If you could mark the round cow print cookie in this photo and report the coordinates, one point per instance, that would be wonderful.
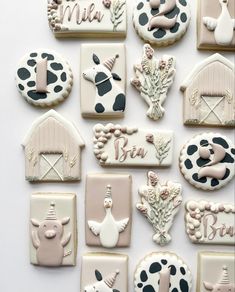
(44, 78)
(162, 271)
(161, 22)
(207, 161)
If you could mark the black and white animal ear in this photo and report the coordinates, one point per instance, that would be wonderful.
(96, 59)
(116, 77)
(98, 275)
(115, 290)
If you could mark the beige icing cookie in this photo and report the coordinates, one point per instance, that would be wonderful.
(53, 229)
(52, 150)
(216, 272)
(209, 93)
(103, 80)
(210, 223)
(108, 210)
(104, 272)
(216, 25)
(87, 18)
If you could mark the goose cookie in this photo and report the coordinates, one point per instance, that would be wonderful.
(53, 229)
(160, 202)
(152, 79)
(44, 78)
(163, 272)
(108, 217)
(161, 22)
(216, 25)
(103, 80)
(87, 18)
(207, 161)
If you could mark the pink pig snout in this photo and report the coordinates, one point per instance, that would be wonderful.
(49, 234)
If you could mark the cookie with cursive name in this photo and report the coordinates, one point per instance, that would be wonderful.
(161, 22)
(216, 272)
(44, 78)
(87, 18)
(116, 145)
(207, 161)
(162, 272)
(210, 223)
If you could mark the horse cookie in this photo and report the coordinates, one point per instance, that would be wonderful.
(163, 272)
(161, 22)
(207, 161)
(44, 78)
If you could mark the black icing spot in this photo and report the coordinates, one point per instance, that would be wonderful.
(162, 1)
(183, 2)
(36, 96)
(99, 108)
(175, 27)
(56, 66)
(188, 164)
(139, 285)
(102, 85)
(182, 270)
(164, 262)
(184, 285)
(63, 77)
(200, 161)
(33, 55)
(220, 141)
(228, 158)
(175, 290)
(173, 270)
(23, 73)
(143, 276)
(233, 151)
(120, 103)
(159, 33)
(192, 149)
(143, 19)
(172, 13)
(140, 5)
(51, 77)
(183, 17)
(58, 88)
(48, 56)
(31, 83)
(227, 173)
(154, 11)
(214, 182)
(148, 288)
(155, 268)
(201, 180)
(21, 87)
(31, 63)
(204, 143)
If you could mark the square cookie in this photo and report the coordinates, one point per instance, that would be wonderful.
(53, 229)
(103, 80)
(108, 210)
(216, 24)
(216, 272)
(104, 272)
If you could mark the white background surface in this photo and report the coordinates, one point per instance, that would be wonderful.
(24, 28)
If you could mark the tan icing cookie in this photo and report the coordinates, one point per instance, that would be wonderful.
(209, 93)
(52, 150)
(53, 229)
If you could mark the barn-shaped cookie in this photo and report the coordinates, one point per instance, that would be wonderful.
(209, 93)
(52, 150)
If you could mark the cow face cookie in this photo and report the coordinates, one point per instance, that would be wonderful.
(44, 78)
(207, 161)
(53, 229)
(162, 272)
(216, 272)
(161, 22)
(152, 79)
(103, 80)
(216, 24)
(159, 204)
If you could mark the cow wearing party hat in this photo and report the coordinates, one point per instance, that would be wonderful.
(109, 95)
(48, 239)
(103, 285)
(224, 284)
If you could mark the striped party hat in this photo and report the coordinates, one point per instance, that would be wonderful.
(51, 215)
(224, 279)
(109, 63)
(110, 280)
(108, 192)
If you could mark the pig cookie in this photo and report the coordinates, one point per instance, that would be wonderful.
(44, 78)
(161, 22)
(207, 161)
(162, 271)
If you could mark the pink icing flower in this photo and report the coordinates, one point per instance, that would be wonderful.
(136, 82)
(107, 3)
(148, 51)
(164, 194)
(150, 138)
(162, 64)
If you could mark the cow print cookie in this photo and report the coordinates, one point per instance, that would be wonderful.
(207, 161)
(162, 272)
(161, 22)
(44, 78)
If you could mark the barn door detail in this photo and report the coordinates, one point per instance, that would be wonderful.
(51, 167)
(212, 110)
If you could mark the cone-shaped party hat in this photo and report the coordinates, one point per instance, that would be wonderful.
(224, 279)
(51, 215)
(109, 63)
(108, 192)
(110, 280)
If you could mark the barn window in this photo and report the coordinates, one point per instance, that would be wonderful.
(212, 109)
(51, 167)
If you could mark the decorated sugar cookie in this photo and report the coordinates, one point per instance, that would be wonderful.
(207, 161)
(159, 204)
(87, 18)
(152, 79)
(44, 78)
(163, 272)
(161, 22)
